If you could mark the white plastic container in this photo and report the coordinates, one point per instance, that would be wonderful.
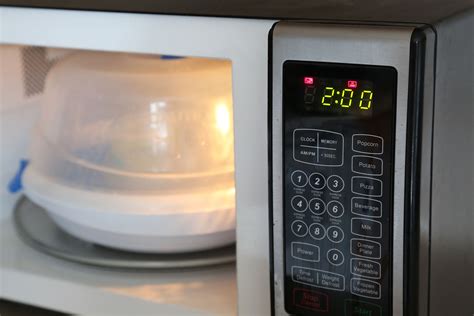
(136, 152)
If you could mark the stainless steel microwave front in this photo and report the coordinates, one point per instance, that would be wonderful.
(339, 131)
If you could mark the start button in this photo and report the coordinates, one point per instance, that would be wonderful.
(357, 308)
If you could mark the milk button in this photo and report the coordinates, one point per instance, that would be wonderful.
(365, 143)
(366, 228)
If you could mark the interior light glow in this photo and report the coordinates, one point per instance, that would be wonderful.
(222, 116)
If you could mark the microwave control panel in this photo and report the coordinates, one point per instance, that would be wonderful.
(338, 140)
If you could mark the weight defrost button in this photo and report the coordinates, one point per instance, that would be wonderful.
(318, 278)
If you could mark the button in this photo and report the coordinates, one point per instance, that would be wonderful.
(335, 257)
(299, 203)
(308, 299)
(317, 206)
(299, 178)
(317, 181)
(335, 183)
(365, 288)
(366, 207)
(318, 278)
(366, 268)
(335, 234)
(366, 227)
(317, 231)
(304, 251)
(365, 248)
(318, 147)
(299, 228)
(365, 143)
(367, 165)
(366, 186)
(358, 308)
(335, 209)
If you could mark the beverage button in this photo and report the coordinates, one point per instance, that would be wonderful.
(335, 209)
(299, 178)
(365, 248)
(358, 308)
(366, 268)
(367, 186)
(299, 203)
(317, 181)
(335, 234)
(366, 207)
(366, 228)
(317, 206)
(365, 288)
(307, 299)
(318, 278)
(335, 257)
(299, 228)
(317, 231)
(335, 183)
(371, 166)
(366, 143)
(304, 251)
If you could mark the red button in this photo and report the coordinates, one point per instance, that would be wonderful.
(307, 299)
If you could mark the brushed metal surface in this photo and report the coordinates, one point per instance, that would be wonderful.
(338, 43)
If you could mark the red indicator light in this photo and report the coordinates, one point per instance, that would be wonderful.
(308, 80)
(352, 84)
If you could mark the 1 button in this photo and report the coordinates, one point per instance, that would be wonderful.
(335, 234)
(299, 228)
(367, 186)
(299, 203)
(317, 231)
(371, 166)
(299, 178)
(335, 257)
(366, 228)
(365, 288)
(317, 206)
(317, 181)
(358, 308)
(335, 183)
(365, 248)
(365, 143)
(366, 268)
(304, 251)
(366, 207)
(335, 209)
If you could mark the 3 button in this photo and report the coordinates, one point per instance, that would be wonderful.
(335, 183)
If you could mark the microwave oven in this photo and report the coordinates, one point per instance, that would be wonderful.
(353, 128)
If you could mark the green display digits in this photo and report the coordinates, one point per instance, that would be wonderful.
(345, 100)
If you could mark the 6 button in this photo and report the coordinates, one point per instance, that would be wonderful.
(335, 209)
(299, 203)
(335, 183)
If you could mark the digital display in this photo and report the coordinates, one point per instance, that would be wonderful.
(337, 91)
(333, 94)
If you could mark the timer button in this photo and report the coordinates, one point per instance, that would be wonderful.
(335, 183)
(317, 206)
(299, 228)
(335, 257)
(299, 203)
(317, 181)
(299, 178)
(335, 209)
(366, 143)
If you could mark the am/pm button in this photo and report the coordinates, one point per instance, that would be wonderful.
(366, 143)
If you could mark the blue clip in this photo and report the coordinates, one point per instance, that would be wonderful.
(16, 184)
(170, 57)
